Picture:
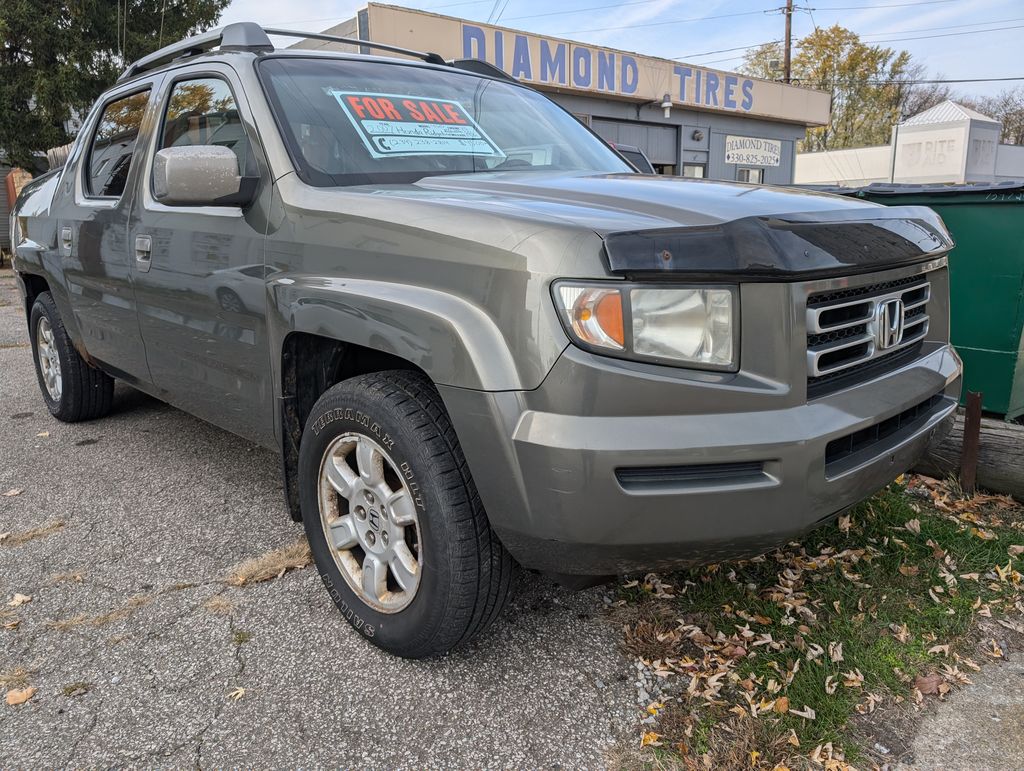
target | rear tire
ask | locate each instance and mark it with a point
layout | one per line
(383, 482)
(72, 389)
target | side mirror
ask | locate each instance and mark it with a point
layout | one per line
(200, 175)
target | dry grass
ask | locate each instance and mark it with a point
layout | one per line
(77, 689)
(219, 605)
(102, 619)
(271, 565)
(16, 678)
(73, 577)
(17, 539)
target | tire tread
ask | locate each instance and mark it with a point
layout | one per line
(88, 393)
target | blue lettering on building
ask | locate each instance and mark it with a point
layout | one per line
(471, 35)
(684, 73)
(630, 76)
(711, 89)
(585, 68)
(748, 95)
(553, 66)
(731, 82)
(581, 67)
(605, 71)
(522, 67)
(499, 50)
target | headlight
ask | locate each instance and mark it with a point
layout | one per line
(683, 326)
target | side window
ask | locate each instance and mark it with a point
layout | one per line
(113, 144)
(203, 112)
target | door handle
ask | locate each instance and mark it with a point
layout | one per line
(143, 253)
(65, 241)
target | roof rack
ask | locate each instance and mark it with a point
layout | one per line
(432, 58)
(244, 35)
(249, 36)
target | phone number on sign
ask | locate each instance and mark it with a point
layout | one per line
(754, 159)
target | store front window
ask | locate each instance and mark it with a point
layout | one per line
(695, 170)
(753, 176)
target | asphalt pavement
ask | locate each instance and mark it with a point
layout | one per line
(144, 515)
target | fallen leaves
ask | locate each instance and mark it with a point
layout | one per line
(650, 738)
(20, 696)
(853, 679)
(19, 599)
(849, 607)
(12, 492)
(835, 652)
(928, 684)
(806, 712)
(237, 694)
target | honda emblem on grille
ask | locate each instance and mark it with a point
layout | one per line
(889, 317)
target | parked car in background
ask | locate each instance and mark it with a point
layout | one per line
(475, 335)
(635, 156)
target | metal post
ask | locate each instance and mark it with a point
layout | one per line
(787, 62)
(972, 438)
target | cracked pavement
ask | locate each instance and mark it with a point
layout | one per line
(157, 507)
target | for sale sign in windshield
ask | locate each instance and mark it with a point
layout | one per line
(396, 125)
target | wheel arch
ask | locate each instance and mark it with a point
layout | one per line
(310, 365)
(35, 285)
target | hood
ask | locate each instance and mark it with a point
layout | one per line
(653, 224)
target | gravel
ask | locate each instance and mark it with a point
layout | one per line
(156, 508)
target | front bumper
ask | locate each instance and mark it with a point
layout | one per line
(596, 494)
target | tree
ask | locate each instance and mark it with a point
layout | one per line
(1007, 107)
(58, 56)
(870, 85)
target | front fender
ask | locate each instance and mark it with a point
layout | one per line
(455, 342)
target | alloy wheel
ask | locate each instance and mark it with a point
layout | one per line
(369, 519)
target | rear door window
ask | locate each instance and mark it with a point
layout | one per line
(113, 145)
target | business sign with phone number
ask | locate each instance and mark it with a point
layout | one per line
(753, 151)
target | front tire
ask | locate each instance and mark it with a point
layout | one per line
(394, 521)
(72, 389)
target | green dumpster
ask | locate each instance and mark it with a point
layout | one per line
(986, 271)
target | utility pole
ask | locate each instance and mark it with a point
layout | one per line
(787, 62)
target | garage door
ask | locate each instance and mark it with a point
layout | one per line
(660, 143)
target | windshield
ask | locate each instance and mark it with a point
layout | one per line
(638, 159)
(362, 122)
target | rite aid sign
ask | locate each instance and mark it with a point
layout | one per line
(555, 64)
(753, 151)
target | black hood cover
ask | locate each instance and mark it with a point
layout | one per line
(801, 245)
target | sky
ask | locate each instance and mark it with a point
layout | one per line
(951, 38)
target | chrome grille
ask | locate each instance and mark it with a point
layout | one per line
(854, 328)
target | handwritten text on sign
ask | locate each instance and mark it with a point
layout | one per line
(396, 125)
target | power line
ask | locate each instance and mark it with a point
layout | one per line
(948, 34)
(883, 5)
(663, 23)
(585, 10)
(874, 34)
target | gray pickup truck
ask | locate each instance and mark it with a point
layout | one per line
(476, 337)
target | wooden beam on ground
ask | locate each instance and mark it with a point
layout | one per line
(1000, 462)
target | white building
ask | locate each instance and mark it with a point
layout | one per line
(948, 143)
